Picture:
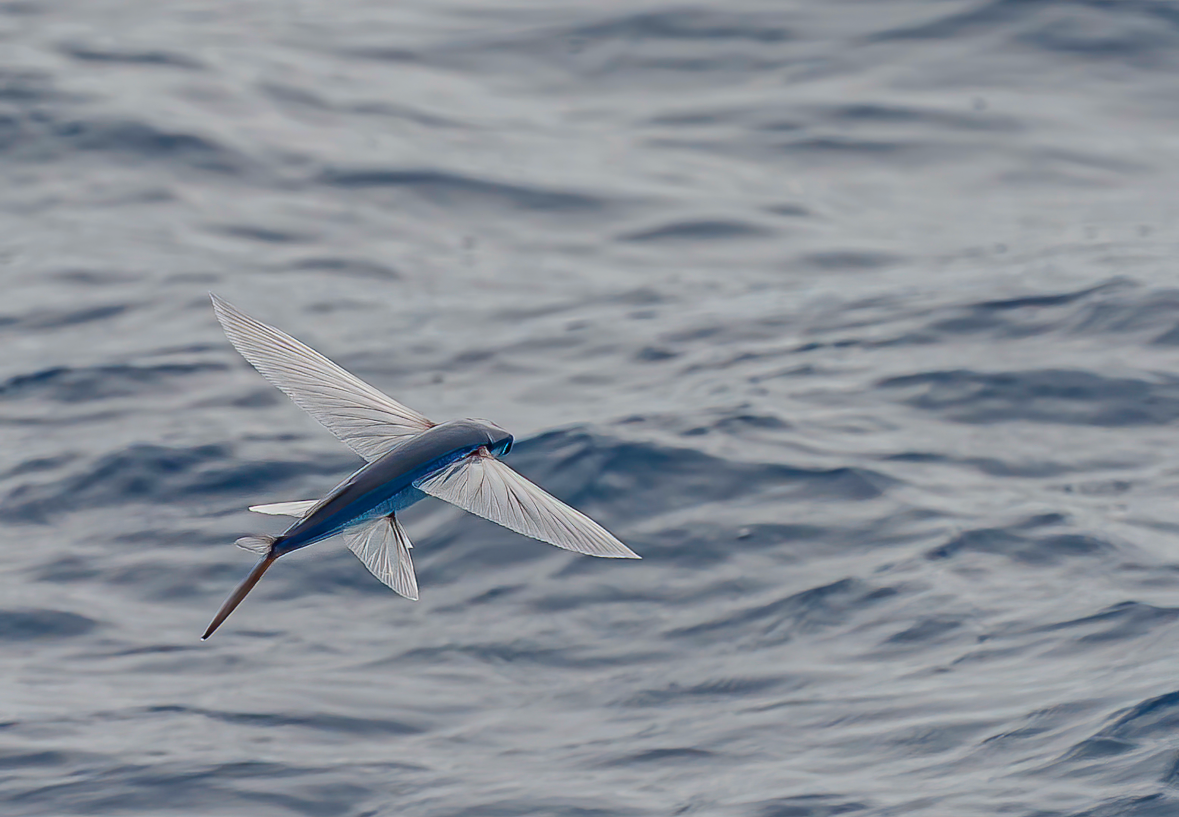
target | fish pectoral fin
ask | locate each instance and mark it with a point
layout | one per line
(384, 547)
(299, 508)
(482, 485)
(366, 420)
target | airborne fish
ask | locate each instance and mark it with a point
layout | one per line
(409, 458)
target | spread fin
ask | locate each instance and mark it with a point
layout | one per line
(256, 544)
(482, 485)
(384, 548)
(369, 422)
(298, 508)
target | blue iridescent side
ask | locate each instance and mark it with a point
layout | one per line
(385, 486)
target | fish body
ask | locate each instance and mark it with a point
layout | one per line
(409, 458)
(386, 485)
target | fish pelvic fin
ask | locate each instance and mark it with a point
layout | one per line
(235, 598)
(260, 544)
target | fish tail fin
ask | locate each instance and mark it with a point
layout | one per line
(257, 544)
(235, 598)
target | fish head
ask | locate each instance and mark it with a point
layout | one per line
(499, 442)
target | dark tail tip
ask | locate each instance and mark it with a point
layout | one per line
(235, 598)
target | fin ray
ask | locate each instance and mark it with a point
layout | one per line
(298, 508)
(482, 485)
(256, 544)
(384, 548)
(367, 421)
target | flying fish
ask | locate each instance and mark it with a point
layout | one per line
(408, 458)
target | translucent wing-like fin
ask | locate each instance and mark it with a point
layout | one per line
(298, 508)
(256, 544)
(369, 422)
(484, 486)
(384, 548)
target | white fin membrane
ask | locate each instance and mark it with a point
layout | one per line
(256, 544)
(384, 548)
(299, 508)
(367, 421)
(482, 485)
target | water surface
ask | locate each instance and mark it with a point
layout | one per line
(857, 320)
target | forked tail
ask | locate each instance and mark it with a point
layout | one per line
(236, 597)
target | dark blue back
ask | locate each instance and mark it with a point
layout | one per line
(381, 480)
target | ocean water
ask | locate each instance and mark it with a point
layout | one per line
(858, 320)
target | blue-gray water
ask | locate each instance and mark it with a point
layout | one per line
(858, 320)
